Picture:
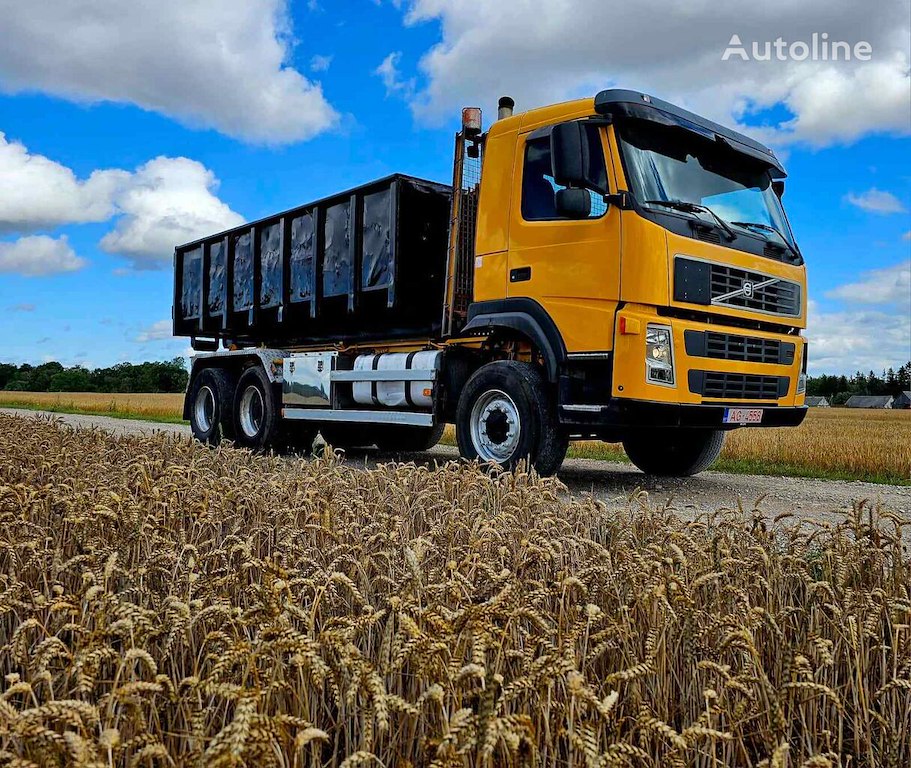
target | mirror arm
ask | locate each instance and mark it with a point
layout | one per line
(621, 200)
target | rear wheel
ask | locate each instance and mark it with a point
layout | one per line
(674, 452)
(506, 413)
(396, 439)
(211, 398)
(257, 420)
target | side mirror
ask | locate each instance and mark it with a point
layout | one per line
(573, 203)
(778, 188)
(569, 154)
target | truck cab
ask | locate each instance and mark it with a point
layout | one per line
(647, 251)
(612, 268)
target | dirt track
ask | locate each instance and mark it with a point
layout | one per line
(819, 500)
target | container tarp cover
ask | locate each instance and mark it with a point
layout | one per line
(366, 263)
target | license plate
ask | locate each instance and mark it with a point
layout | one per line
(742, 416)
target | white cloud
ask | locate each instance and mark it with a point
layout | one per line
(872, 330)
(168, 201)
(320, 63)
(544, 52)
(36, 192)
(38, 255)
(388, 71)
(165, 202)
(207, 63)
(890, 285)
(158, 331)
(876, 201)
(852, 340)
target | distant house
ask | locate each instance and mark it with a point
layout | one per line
(817, 402)
(869, 401)
(903, 400)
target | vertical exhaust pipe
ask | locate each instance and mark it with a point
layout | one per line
(505, 107)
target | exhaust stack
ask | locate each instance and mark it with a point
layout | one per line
(505, 107)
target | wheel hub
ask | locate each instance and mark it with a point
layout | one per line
(495, 426)
(204, 408)
(252, 410)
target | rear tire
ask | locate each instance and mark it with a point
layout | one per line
(674, 452)
(211, 400)
(257, 417)
(395, 439)
(507, 413)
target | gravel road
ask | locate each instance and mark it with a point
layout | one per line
(819, 500)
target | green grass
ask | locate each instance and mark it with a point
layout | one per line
(114, 413)
(746, 466)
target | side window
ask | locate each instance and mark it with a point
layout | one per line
(538, 185)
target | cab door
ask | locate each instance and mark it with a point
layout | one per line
(571, 267)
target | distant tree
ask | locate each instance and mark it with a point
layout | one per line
(76, 379)
(7, 373)
(166, 376)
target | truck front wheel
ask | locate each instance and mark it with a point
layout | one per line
(257, 417)
(674, 452)
(211, 399)
(506, 413)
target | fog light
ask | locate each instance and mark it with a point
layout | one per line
(659, 355)
(802, 378)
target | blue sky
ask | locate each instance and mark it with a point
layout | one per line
(145, 128)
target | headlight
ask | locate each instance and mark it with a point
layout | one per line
(802, 377)
(659, 355)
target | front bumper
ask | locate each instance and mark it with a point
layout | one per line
(714, 364)
(624, 414)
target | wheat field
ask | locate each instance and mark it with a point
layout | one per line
(836, 442)
(132, 405)
(162, 603)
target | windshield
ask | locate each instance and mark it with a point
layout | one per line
(667, 163)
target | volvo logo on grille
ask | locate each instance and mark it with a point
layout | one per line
(747, 289)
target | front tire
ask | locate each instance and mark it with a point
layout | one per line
(674, 452)
(257, 418)
(506, 413)
(211, 399)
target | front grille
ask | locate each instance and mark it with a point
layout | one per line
(737, 386)
(708, 283)
(730, 346)
(769, 294)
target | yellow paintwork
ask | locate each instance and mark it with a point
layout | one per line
(629, 362)
(580, 278)
(575, 269)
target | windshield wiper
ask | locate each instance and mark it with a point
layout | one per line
(770, 228)
(688, 207)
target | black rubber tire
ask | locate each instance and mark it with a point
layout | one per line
(674, 452)
(540, 438)
(221, 427)
(395, 439)
(269, 433)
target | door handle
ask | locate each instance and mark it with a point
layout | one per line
(520, 274)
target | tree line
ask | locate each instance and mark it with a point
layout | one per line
(167, 376)
(171, 376)
(837, 389)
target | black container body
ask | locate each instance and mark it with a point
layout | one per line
(366, 264)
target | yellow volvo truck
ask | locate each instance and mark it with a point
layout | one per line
(614, 268)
